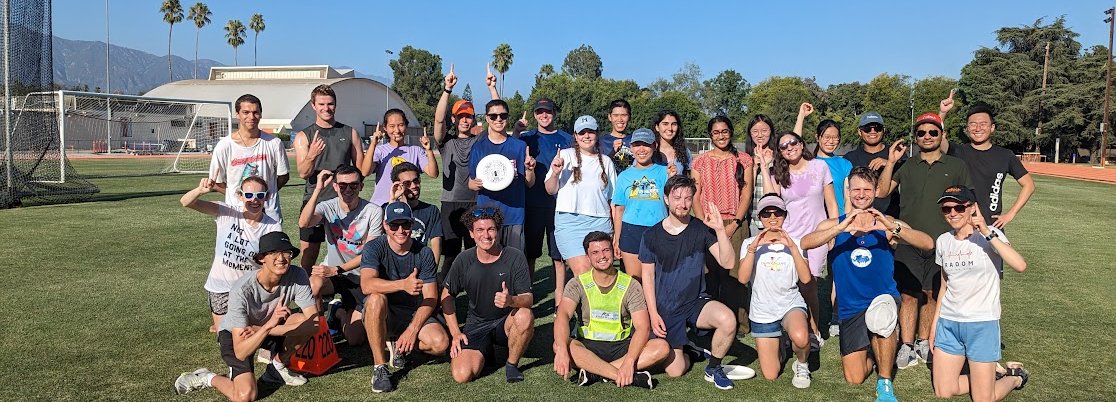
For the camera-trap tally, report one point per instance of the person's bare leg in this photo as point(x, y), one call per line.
point(309, 252)
point(677, 363)
point(857, 367)
point(433, 339)
point(354, 330)
point(723, 321)
point(240, 388)
point(520, 327)
point(375, 326)
point(768, 351)
point(794, 323)
point(655, 351)
point(809, 291)
point(926, 315)
point(467, 365)
point(908, 317)
point(586, 359)
point(983, 385)
point(884, 349)
point(632, 266)
point(948, 381)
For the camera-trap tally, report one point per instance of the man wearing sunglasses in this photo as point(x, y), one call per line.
point(397, 275)
point(406, 186)
point(917, 275)
point(872, 153)
point(350, 222)
point(249, 152)
point(544, 141)
point(511, 200)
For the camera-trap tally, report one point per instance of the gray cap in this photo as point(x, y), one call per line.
point(769, 201)
point(869, 118)
point(585, 123)
point(644, 135)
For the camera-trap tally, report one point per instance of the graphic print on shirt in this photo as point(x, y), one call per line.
point(350, 241)
point(861, 257)
point(396, 160)
point(994, 195)
point(771, 259)
point(643, 189)
point(418, 230)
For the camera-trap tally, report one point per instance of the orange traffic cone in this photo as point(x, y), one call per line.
point(318, 354)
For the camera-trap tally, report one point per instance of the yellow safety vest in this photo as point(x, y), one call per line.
point(604, 309)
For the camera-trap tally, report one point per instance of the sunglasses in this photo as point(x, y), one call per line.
point(959, 208)
point(872, 127)
point(258, 195)
point(409, 183)
point(933, 133)
point(406, 225)
point(497, 116)
point(484, 212)
point(346, 186)
point(792, 142)
point(767, 213)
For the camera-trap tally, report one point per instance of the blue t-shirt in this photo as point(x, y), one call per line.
point(622, 157)
point(679, 264)
point(683, 169)
point(640, 191)
point(512, 199)
point(543, 148)
point(839, 168)
point(863, 268)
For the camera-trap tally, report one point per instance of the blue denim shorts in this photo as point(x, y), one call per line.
point(570, 230)
point(771, 329)
point(978, 341)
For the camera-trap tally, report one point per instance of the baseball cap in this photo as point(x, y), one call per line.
point(869, 118)
point(585, 123)
point(930, 117)
point(398, 211)
point(275, 241)
point(545, 104)
point(463, 107)
point(769, 201)
point(881, 315)
point(960, 194)
point(643, 135)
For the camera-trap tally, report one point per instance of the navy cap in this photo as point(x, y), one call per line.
point(644, 135)
point(398, 211)
point(869, 118)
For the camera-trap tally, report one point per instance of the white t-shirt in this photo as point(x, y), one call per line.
point(774, 281)
point(972, 280)
point(589, 196)
point(231, 163)
point(236, 244)
point(346, 233)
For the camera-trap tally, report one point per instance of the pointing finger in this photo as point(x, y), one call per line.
point(451, 68)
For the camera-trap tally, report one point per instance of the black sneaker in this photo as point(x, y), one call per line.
point(512, 373)
point(643, 379)
point(381, 379)
point(585, 378)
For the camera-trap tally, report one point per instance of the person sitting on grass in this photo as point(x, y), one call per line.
point(259, 318)
point(967, 322)
point(238, 234)
point(612, 341)
point(406, 186)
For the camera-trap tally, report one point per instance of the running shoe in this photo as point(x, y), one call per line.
point(906, 357)
point(716, 375)
point(801, 378)
point(283, 375)
point(381, 379)
point(188, 382)
point(885, 391)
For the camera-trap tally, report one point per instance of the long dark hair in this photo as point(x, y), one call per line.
point(781, 167)
point(825, 125)
point(749, 145)
point(678, 143)
point(740, 180)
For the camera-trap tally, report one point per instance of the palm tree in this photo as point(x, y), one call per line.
point(502, 61)
point(256, 24)
point(172, 14)
point(234, 32)
point(199, 13)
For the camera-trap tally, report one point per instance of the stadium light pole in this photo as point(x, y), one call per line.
point(7, 98)
point(107, 46)
point(386, 89)
point(1111, 20)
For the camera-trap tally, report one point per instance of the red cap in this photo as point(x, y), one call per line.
point(462, 107)
point(929, 117)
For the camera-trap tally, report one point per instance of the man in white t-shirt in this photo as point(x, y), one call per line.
point(250, 152)
point(350, 222)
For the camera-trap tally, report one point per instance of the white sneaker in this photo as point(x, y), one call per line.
point(906, 357)
point(263, 356)
point(834, 330)
point(284, 375)
point(187, 382)
point(801, 378)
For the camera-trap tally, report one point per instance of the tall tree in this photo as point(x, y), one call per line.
point(199, 13)
point(582, 62)
point(234, 35)
point(467, 94)
point(172, 14)
point(546, 71)
point(502, 60)
point(725, 94)
point(257, 25)
point(890, 96)
point(418, 80)
point(778, 98)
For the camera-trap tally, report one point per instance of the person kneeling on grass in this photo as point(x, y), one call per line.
point(612, 341)
point(773, 263)
point(967, 322)
point(398, 278)
point(259, 318)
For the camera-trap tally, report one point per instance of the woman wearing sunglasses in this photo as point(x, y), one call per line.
point(581, 180)
point(238, 235)
point(806, 185)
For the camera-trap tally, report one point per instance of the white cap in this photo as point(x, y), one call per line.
point(881, 315)
point(585, 122)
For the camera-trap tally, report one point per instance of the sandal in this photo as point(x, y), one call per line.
point(1016, 369)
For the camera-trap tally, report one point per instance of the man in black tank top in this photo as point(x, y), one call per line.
point(324, 145)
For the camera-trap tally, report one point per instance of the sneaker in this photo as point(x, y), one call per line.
point(381, 379)
point(906, 357)
point(263, 356)
point(801, 378)
point(716, 375)
point(395, 359)
point(512, 373)
point(834, 330)
point(585, 378)
point(283, 375)
point(885, 391)
point(191, 381)
point(922, 350)
point(643, 379)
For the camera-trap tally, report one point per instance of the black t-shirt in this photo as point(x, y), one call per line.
point(391, 266)
point(482, 281)
point(429, 223)
point(679, 263)
point(859, 157)
point(338, 151)
point(987, 170)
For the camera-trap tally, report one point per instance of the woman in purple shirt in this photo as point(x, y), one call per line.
point(385, 156)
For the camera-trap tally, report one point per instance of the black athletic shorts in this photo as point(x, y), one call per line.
point(313, 234)
point(539, 222)
point(450, 215)
point(398, 318)
point(854, 334)
point(685, 317)
point(352, 297)
point(238, 366)
point(608, 351)
point(483, 335)
point(915, 270)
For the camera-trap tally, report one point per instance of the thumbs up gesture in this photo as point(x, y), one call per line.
point(412, 284)
point(451, 79)
point(502, 297)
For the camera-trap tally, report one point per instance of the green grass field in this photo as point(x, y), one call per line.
point(105, 302)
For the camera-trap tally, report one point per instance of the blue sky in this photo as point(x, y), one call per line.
point(834, 41)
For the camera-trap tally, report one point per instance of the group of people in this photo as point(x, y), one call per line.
point(663, 247)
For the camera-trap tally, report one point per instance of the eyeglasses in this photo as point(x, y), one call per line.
point(959, 208)
point(346, 186)
point(406, 225)
point(720, 132)
point(618, 115)
point(285, 254)
point(789, 143)
point(259, 195)
point(484, 212)
point(933, 133)
point(867, 128)
point(983, 124)
point(767, 213)
point(497, 116)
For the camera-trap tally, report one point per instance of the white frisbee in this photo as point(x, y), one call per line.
point(496, 172)
point(734, 372)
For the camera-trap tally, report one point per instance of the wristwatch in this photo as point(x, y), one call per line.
point(991, 235)
point(739, 221)
point(898, 228)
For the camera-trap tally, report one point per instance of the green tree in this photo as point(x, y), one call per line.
point(234, 35)
point(418, 80)
point(199, 13)
point(502, 58)
point(257, 25)
point(583, 62)
point(928, 94)
point(778, 98)
point(843, 103)
point(890, 96)
point(546, 71)
point(725, 95)
point(583, 96)
point(172, 14)
point(468, 93)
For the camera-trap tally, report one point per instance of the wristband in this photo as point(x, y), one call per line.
point(447, 91)
point(898, 228)
point(991, 235)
